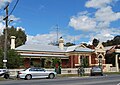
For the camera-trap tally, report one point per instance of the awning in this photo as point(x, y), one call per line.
point(43, 55)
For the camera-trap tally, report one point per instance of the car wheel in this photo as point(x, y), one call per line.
point(28, 77)
point(91, 74)
point(51, 76)
point(6, 76)
point(101, 74)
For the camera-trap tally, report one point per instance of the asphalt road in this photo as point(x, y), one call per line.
point(97, 80)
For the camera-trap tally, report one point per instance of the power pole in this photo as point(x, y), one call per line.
point(5, 43)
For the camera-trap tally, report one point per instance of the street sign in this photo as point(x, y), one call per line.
point(4, 61)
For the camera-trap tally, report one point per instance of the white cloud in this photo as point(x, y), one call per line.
point(99, 22)
point(2, 22)
point(12, 17)
point(72, 39)
point(104, 34)
point(107, 15)
point(50, 37)
point(1, 28)
point(82, 22)
point(1, 18)
point(98, 3)
point(43, 38)
point(3, 2)
point(21, 28)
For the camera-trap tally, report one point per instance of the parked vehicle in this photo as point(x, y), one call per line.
point(4, 73)
point(96, 71)
point(36, 72)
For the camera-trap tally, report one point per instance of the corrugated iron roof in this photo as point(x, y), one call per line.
point(40, 47)
point(81, 49)
point(51, 48)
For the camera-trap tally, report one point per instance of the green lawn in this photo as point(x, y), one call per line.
point(1, 78)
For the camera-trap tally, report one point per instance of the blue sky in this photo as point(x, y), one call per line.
point(78, 20)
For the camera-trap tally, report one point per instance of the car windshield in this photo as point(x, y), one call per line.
point(96, 68)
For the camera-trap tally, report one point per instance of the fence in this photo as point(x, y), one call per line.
point(13, 72)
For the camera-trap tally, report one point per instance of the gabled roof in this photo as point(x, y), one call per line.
point(108, 47)
point(39, 47)
point(99, 46)
point(79, 48)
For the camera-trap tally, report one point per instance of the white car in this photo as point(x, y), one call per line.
point(96, 71)
point(4, 73)
point(36, 72)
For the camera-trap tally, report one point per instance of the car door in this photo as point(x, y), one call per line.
point(33, 72)
point(42, 73)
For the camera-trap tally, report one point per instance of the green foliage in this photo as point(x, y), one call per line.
point(69, 44)
point(95, 42)
point(114, 41)
point(85, 63)
point(48, 62)
point(18, 33)
point(56, 61)
point(110, 58)
point(2, 42)
point(51, 62)
point(36, 64)
point(14, 60)
point(1, 58)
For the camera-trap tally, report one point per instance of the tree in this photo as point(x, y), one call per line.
point(18, 33)
point(110, 58)
point(85, 62)
point(69, 44)
point(14, 59)
point(114, 41)
point(48, 62)
point(56, 61)
point(1, 58)
point(95, 42)
point(2, 42)
point(51, 62)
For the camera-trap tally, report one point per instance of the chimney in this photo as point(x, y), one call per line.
point(61, 43)
point(12, 42)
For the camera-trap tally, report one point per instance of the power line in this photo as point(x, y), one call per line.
point(14, 7)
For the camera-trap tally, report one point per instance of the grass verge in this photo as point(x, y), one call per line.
point(1, 79)
point(70, 75)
